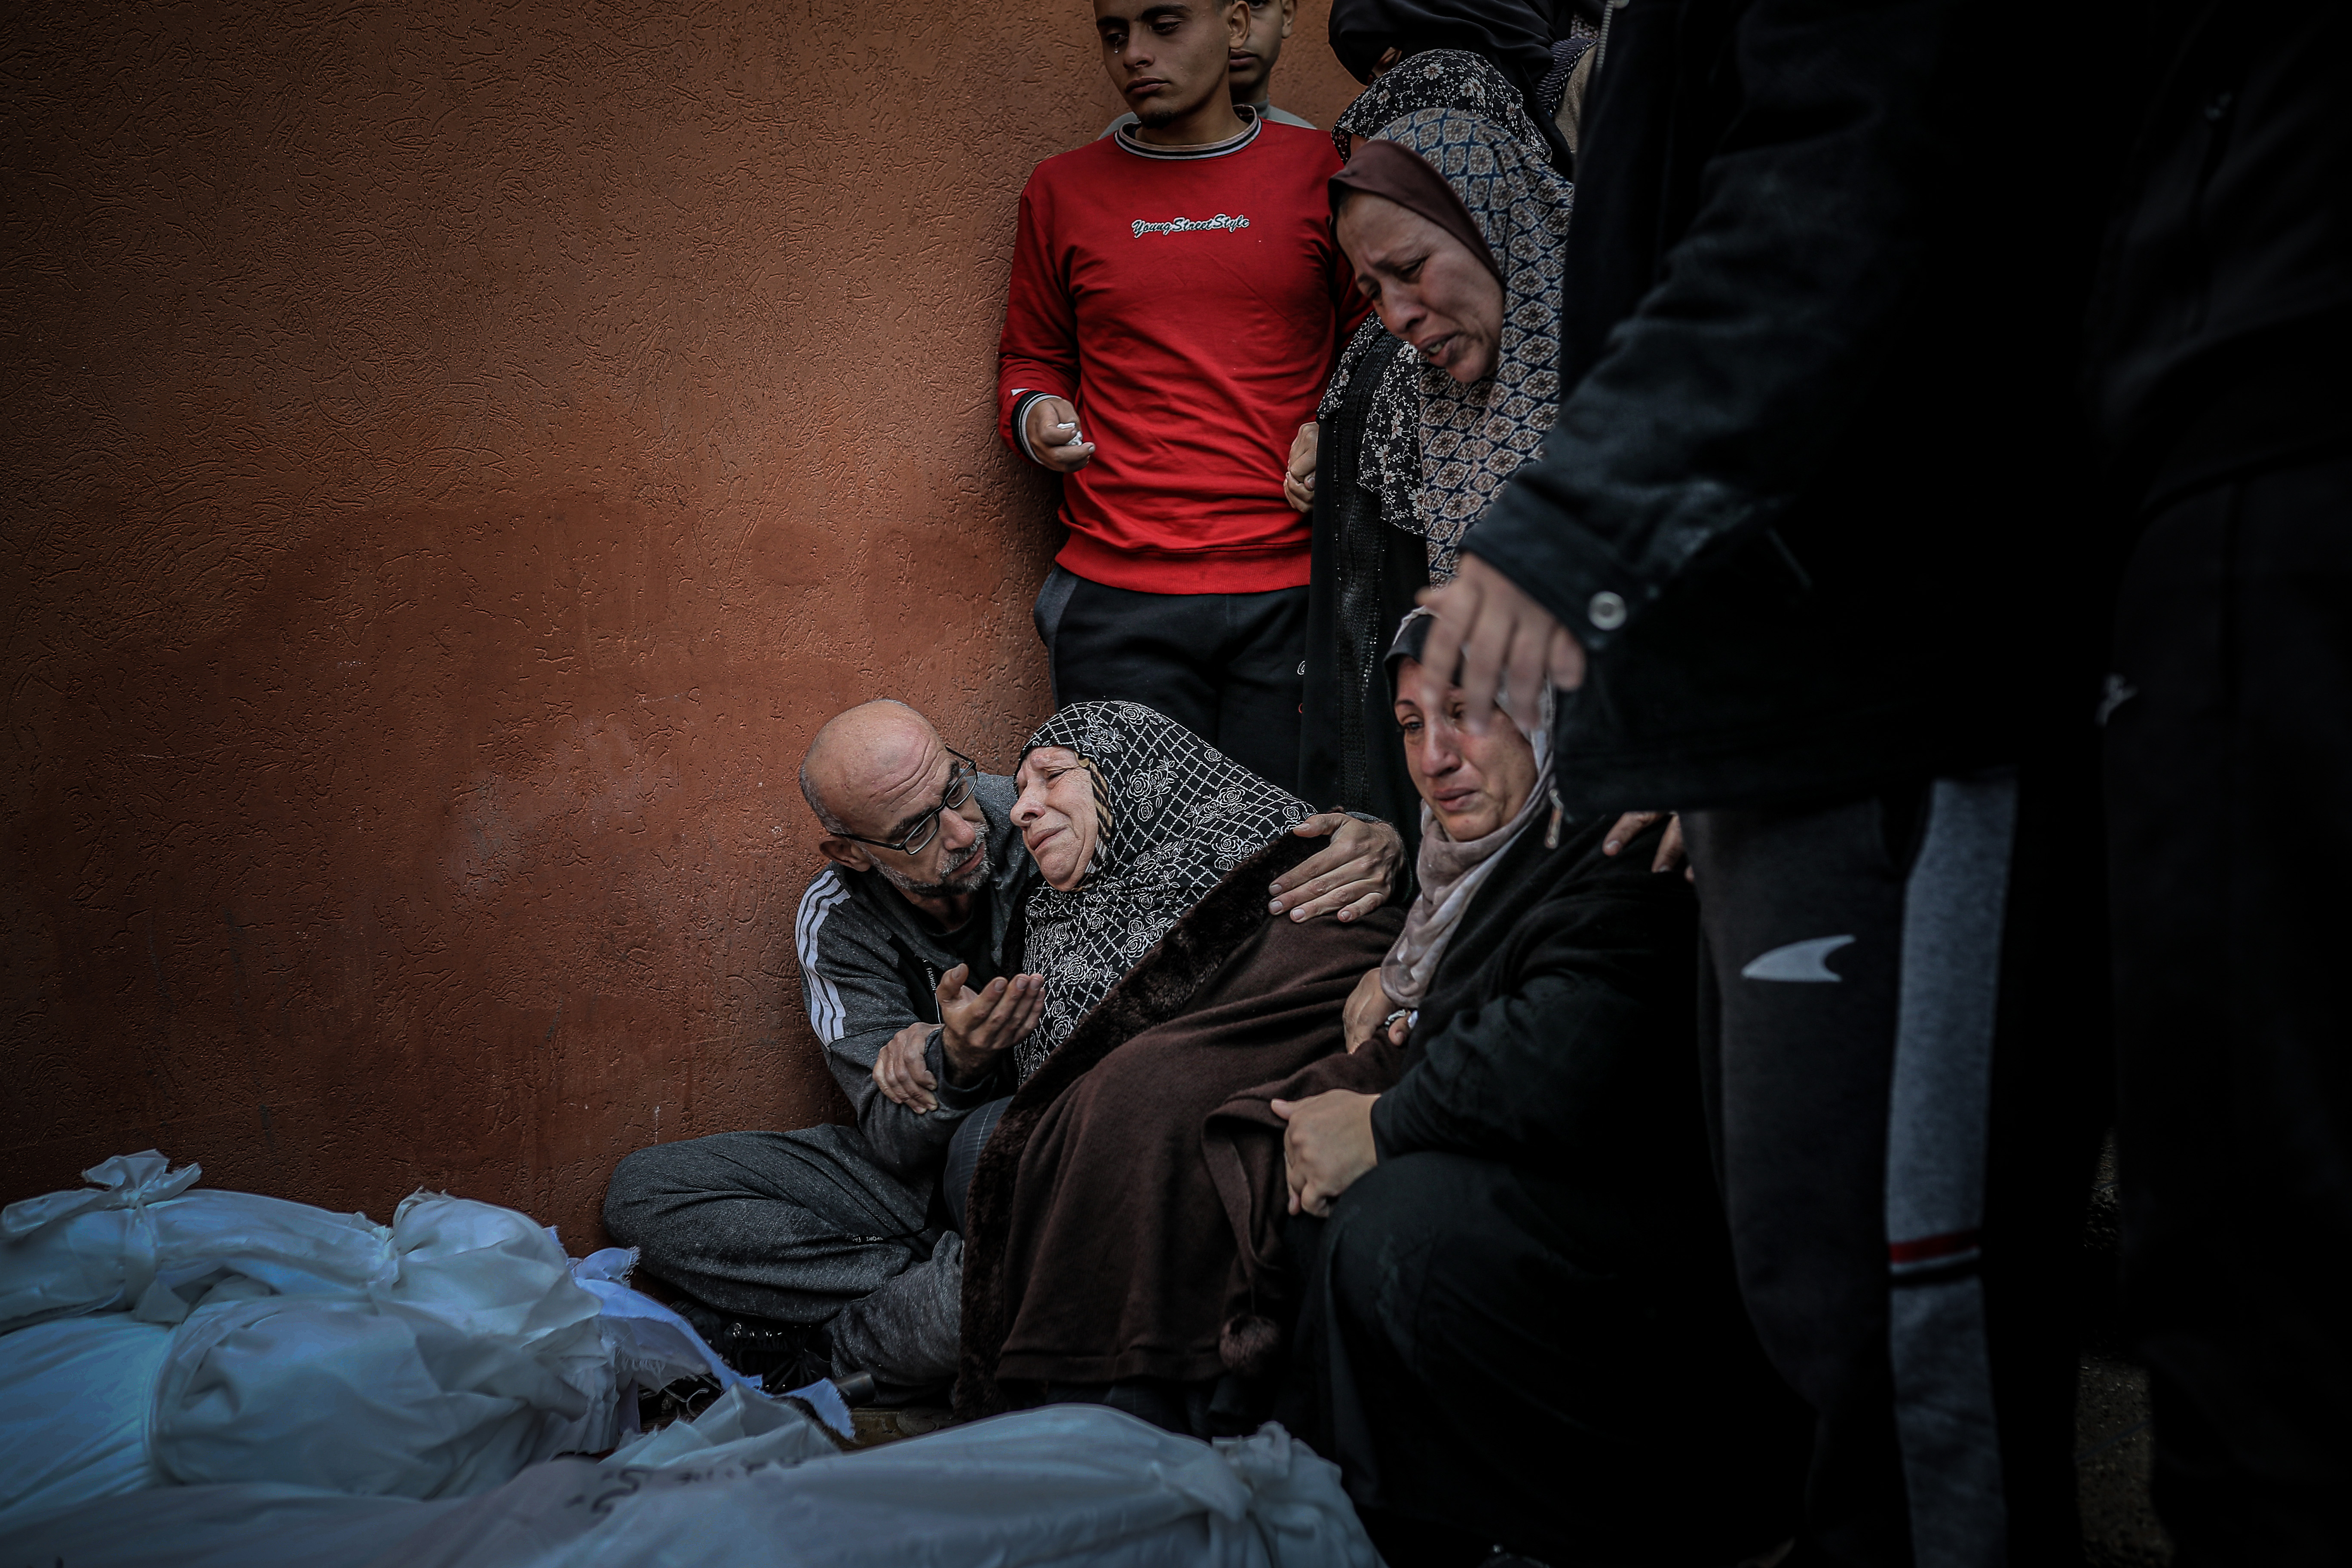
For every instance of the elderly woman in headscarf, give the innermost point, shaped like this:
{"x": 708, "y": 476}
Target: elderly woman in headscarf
{"x": 1519, "y": 1322}
{"x": 1113, "y": 1251}
{"x": 1456, "y": 224}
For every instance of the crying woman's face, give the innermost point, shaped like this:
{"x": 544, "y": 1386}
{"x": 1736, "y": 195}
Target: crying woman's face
{"x": 1055, "y": 814}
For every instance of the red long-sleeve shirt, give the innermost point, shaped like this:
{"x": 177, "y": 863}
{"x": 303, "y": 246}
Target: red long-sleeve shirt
{"x": 1191, "y": 308}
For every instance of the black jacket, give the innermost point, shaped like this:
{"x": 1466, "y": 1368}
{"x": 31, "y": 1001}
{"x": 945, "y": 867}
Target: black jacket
{"x": 2224, "y": 312}
{"x": 1364, "y": 576}
{"x": 1813, "y": 499}
{"x": 1556, "y": 1037}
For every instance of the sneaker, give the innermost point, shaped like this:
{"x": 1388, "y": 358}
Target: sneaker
{"x": 756, "y": 1347}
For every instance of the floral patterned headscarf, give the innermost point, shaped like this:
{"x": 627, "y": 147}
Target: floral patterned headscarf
{"x": 1174, "y": 815}
{"x": 1436, "y": 452}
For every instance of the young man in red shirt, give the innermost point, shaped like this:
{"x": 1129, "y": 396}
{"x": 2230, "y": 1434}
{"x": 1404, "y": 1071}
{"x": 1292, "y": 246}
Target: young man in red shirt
{"x": 1176, "y": 306}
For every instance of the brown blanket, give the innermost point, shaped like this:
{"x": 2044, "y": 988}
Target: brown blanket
{"x": 1124, "y": 1219}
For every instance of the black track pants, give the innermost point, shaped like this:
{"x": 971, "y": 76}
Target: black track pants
{"x": 1903, "y": 1051}
{"x": 1224, "y": 666}
{"x": 2230, "y": 803}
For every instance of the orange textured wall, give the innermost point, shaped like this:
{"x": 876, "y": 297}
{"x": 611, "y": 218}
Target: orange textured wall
{"x": 455, "y": 454}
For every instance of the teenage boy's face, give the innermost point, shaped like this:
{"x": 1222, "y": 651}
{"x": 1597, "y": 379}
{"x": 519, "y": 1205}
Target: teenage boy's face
{"x": 1167, "y": 58}
{"x": 1269, "y": 24}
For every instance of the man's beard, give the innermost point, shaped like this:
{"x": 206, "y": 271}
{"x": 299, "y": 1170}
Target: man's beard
{"x": 1157, "y": 119}
{"x": 953, "y": 886}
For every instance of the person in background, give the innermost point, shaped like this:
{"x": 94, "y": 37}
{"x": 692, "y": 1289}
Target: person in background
{"x": 1252, "y": 65}
{"x": 1436, "y": 402}
{"x": 1519, "y": 1322}
{"x": 1810, "y": 546}
{"x": 2219, "y": 335}
{"x": 1177, "y": 304}
{"x": 1544, "y": 49}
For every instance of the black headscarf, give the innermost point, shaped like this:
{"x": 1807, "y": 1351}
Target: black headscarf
{"x": 1519, "y": 38}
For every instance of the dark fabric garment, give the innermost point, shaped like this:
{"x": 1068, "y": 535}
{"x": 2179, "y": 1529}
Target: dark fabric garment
{"x": 963, "y": 1156}
{"x": 2224, "y": 312}
{"x": 789, "y": 1225}
{"x": 1516, "y": 37}
{"x": 972, "y": 944}
{"x": 1473, "y": 1357}
{"x": 1906, "y": 1074}
{"x": 1814, "y": 497}
{"x": 2228, "y": 764}
{"x": 1102, "y": 1246}
{"x": 1393, "y": 170}
{"x": 1556, "y": 1034}
{"x": 1526, "y": 1324}
{"x": 1224, "y": 666}
{"x": 903, "y": 1331}
{"x": 1365, "y": 576}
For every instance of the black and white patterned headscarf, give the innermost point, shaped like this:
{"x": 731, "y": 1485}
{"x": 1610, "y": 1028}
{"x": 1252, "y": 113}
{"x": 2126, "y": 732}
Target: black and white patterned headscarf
{"x": 1176, "y": 815}
{"x": 1436, "y": 452}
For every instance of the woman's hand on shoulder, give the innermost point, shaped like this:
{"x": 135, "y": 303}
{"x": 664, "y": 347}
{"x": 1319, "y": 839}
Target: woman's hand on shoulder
{"x": 1351, "y": 875}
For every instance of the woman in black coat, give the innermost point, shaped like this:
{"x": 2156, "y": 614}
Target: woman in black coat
{"x": 1519, "y": 1320}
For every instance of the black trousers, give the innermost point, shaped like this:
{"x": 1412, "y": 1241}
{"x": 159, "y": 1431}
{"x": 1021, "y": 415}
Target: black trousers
{"x": 1904, "y": 1064}
{"x": 2230, "y": 799}
{"x": 1227, "y": 666}
{"x": 1483, "y": 1370}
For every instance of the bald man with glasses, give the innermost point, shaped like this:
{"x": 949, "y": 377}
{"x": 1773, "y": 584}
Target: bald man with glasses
{"x": 835, "y": 1248}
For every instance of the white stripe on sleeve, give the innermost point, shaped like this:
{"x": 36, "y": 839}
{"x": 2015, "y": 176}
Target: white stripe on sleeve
{"x": 827, "y": 893}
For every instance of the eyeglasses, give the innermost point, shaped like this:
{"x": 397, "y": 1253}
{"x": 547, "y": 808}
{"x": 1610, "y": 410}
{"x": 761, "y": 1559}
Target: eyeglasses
{"x": 959, "y": 790}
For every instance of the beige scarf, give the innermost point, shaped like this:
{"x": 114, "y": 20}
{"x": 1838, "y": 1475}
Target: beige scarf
{"x": 1451, "y": 874}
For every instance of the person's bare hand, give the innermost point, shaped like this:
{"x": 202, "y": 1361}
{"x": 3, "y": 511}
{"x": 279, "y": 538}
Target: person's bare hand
{"x": 1052, "y": 426}
{"x": 1671, "y": 853}
{"x": 1505, "y": 642}
{"x": 1366, "y": 1006}
{"x": 900, "y": 1072}
{"x": 1298, "y": 478}
{"x": 1327, "y": 1144}
{"x": 976, "y": 1026}
{"x": 1352, "y": 874}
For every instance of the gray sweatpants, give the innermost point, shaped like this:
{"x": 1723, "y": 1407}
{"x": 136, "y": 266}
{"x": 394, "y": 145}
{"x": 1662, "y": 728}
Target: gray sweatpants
{"x": 805, "y": 1228}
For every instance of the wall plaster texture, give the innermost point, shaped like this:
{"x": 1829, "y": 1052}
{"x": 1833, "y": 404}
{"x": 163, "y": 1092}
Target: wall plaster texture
{"x": 456, "y": 453}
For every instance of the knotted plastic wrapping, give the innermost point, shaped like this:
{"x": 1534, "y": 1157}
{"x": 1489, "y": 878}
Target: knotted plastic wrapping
{"x": 168, "y": 1336}
{"x": 1069, "y": 1484}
